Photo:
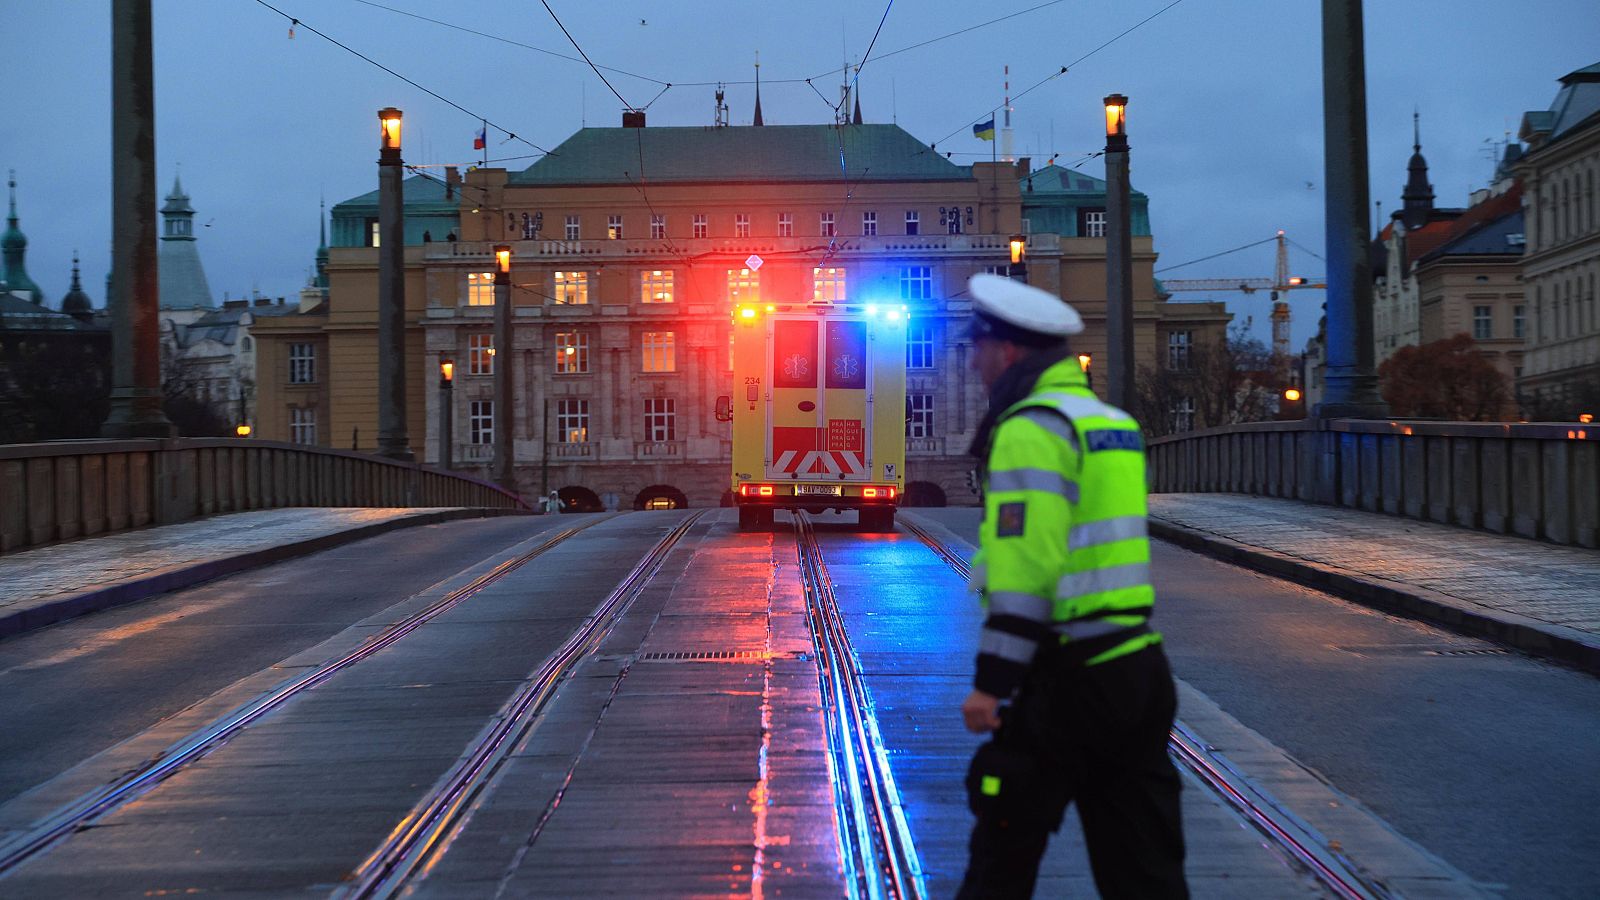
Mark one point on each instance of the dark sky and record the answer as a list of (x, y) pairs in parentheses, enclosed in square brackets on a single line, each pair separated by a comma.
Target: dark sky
[(1224, 117)]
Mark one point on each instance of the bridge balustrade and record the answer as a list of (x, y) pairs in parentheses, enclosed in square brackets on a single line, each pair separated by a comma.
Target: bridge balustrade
[(62, 490), (1537, 480)]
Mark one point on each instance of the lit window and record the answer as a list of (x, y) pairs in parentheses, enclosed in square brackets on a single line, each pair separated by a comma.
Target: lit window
[(572, 353), (614, 228), (658, 227), (743, 284), (825, 224), (660, 419), (916, 282), (372, 232), (869, 223), (1091, 223), (480, 288), (919, 415), (655, 286), (701, 229), (572, 228), (303, 424), (913, 221), (479, 360), (1482, 323), (741, 225), (785, 224), (302, 364), (572, 288), (919, 345), (480, 421), (658, 352), (1178, 350), (572, 421), (828, 284)]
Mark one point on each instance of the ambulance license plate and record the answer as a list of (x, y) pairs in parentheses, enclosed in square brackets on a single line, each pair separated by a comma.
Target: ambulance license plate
[(818, 490)]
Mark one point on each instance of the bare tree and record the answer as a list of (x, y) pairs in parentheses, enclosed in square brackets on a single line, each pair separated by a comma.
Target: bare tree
[(1229, 380)]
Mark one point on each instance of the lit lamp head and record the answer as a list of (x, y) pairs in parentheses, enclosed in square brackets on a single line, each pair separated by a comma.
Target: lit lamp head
[(1019, 247), (1116, 121), (389, 129), (502, 263), (242, 430), (1292, 395), (490, 351), (447, 371), (1083, 361)]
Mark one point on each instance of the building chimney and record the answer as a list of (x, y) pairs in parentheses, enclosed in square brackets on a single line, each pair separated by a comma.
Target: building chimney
[(452, 177), (633, 118)]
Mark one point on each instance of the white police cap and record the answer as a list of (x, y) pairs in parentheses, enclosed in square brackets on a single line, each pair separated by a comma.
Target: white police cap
[(1019, 307)]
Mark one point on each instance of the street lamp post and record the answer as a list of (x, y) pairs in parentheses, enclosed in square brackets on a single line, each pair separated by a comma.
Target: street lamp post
[(136, 396), (504, 415), (1352, 381), (1119, 257), (447, 412), (393, 440)]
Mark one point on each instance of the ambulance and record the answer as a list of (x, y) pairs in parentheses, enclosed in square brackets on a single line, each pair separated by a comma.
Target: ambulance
[(819, 410)]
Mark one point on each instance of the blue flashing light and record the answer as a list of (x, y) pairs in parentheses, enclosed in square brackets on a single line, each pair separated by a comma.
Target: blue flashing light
[(872, 309), (893, 315)]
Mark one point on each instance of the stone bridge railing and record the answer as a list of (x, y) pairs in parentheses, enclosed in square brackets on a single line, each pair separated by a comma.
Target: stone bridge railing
[(1537, 480), (61, 490)]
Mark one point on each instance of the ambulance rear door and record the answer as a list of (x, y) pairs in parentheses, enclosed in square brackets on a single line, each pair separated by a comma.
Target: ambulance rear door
[(820, 406)]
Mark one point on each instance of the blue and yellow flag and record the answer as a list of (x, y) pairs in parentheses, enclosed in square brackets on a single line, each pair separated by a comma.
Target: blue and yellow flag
[(984, 131)]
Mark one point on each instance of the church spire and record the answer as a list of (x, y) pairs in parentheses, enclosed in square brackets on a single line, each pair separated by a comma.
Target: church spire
[(1417, 198), (321, 279), (77, 303), (856, 91), (758, 90), (14, 246)]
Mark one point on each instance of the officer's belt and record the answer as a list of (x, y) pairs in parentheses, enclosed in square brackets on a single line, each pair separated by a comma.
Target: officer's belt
[(1077, 652)]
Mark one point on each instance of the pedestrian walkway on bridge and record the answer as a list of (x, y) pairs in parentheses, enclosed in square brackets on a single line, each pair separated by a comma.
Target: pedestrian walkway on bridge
[(1536, 596), (48, 584)]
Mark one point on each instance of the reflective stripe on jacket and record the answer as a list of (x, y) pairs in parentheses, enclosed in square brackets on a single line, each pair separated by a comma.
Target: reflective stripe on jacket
[(1063, 554)]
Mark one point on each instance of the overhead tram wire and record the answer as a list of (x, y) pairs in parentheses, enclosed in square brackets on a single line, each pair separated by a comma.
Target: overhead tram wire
[(511, 135), (1216, 255), (844, 169), (586, 58)]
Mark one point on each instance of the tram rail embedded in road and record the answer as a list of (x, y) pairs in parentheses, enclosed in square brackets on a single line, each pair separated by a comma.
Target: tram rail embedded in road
[(1286, 832), (65, 821), (879, 856)]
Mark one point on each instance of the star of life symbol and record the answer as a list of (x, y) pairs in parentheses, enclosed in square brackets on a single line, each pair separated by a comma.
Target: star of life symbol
[(845, 366), (796, 366)]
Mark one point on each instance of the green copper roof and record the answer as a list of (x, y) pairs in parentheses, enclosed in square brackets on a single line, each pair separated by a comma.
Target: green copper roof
[(13, 245), (422, 195), (769, 153)]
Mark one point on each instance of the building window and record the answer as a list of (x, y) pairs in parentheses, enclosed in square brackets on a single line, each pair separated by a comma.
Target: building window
[(246, 344), (1482, 323), (614, 228), (700, 228), (658, 227), (1091, 223), (480, 361), (481, 421), (372, 232), (1178, 350), (660, 419), (1519, 321), (658, 352), (480, 288), (572, 353), (741, 225), (655, 286), (303, 424), (919, 415), (1183, 414), (919, 345), (913, 221), (572, 421), (785, 224), (572, 288), (950, 218), (916, 282), (869, 223), (743, 285), (828, 284), (572, 228), (825, 224), (302, 363)]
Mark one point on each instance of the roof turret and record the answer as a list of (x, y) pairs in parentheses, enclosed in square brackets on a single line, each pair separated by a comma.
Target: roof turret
[(13, 246), (76, 303), (1417, 198), (183, 282)]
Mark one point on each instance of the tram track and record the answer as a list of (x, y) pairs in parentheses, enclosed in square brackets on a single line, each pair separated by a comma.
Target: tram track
[(1331, 869), (86, 810), (879, 856), (425, 834)]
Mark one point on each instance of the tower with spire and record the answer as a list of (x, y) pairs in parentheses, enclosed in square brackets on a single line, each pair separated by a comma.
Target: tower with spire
[(183, 278), (77, 303), (14, 246), (1417, 198), (758, 91)]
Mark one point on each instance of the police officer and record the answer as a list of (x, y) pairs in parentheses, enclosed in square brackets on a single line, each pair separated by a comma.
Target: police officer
[(1063, 569)]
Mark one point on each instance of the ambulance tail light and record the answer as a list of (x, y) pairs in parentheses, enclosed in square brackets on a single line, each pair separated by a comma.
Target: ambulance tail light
[(872, 492), (756, 490)]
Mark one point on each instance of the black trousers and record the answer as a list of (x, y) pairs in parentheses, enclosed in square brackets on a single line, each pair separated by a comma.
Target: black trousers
[(1099, 735)]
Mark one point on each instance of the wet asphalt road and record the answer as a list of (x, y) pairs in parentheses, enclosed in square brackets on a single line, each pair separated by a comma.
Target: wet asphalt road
[(69, 691), (1488, 759)]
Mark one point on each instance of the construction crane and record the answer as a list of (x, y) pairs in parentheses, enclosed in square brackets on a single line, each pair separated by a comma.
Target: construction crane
[(1280, 284)]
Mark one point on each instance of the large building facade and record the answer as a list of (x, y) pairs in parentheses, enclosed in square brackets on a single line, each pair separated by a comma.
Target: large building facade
[(1559, 171), (630, 246)]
